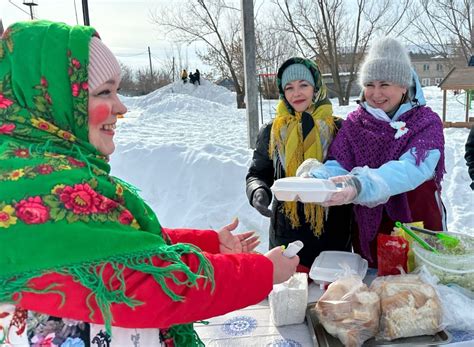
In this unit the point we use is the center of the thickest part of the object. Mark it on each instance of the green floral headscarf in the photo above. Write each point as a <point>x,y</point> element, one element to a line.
<point>58,204</point>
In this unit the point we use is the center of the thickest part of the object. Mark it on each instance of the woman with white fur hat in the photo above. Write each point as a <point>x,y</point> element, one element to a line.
<point>389,152</point>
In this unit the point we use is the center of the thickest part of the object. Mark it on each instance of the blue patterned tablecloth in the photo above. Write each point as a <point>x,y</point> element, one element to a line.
<point>252,327</point>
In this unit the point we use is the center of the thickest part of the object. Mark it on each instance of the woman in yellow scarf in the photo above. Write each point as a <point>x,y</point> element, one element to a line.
<point>303,128</point>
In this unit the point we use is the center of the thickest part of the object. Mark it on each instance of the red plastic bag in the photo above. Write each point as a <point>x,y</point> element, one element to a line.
<point>392,253</point>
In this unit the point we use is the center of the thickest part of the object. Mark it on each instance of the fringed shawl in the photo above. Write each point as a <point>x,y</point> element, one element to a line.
<point>60,210</point>
<point>366,141</point>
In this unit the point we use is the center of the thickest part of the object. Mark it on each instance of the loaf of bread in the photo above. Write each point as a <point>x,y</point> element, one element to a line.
<point>409,306</point>
<point>349,311</point>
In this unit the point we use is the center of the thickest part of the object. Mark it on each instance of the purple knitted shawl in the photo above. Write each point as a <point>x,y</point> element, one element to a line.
<point>364,140</point>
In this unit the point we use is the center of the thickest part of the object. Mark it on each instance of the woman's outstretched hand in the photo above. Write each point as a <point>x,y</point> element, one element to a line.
<point>240,243</point>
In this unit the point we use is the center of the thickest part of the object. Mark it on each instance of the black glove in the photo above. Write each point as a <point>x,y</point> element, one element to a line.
<point>260,201</point>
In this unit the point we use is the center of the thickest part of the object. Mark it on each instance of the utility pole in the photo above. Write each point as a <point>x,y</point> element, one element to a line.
<point>151,68</point>
<point>85,12</point>
<point>30,4</point>
<point>251,92</point>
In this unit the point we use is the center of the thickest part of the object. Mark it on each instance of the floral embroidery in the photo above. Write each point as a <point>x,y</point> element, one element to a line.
<point>44,169</point>
<point>78,75</point>
<point>7,128</point>
<point>22,152</point>
<point>16,174</point>
<point>119,190</point>
<point>79,89</point>
<point>57,163</point>
<point>70,202</point>
<point>106,205</point>
<point>32,210</point>
<point>44,125</point>
<point>81,199</point>
<point>6,216</point>
<point>76,88</point>
<point>125,217</point>
<point>4,102</point>
<point>66,135</point>
<point>75,162</point>
<point>42,101</point>
<point>57,189</point>
<point>9,108</point>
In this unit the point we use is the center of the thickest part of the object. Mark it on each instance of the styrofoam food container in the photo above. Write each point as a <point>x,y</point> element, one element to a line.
<point>327,267</point>
<point>303,189</point>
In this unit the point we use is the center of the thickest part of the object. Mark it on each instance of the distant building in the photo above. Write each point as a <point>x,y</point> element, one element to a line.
<point>431,69</point>
<point>227,83</point>
<point>344,78</point>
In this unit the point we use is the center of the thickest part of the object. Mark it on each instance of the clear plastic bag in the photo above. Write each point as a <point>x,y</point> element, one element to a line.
<point>349,311</point>
<point>409,307</point>
<point>457,302</point>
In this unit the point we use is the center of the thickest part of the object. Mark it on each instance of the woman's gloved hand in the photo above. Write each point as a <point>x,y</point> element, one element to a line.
<point>349,190</point>
<point>260,201</point>
<point>304,170</point>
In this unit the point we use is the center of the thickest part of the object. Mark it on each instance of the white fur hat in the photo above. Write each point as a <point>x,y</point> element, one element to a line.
<point>387,60</point>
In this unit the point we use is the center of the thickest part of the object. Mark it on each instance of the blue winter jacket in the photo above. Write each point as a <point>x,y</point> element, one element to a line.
<point>395,176</point>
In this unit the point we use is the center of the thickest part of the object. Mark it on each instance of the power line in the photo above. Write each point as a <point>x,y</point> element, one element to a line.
<point>75,11</point>
<point>22,10</point>
<point>130,55</point>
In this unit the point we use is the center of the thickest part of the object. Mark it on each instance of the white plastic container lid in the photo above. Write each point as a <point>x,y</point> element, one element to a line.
<point>303,189</point>
<point>327,267</point>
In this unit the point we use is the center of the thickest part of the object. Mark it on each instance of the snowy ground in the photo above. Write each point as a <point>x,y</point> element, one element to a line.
<point>185,148</point>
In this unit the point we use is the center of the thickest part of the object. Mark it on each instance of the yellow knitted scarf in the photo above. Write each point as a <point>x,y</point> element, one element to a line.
<point>287,142</point>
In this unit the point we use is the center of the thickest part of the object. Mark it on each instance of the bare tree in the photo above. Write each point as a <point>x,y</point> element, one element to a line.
<point>274,46</point>
<point>127,83</point>
<point>337,32</point>
<point>216,24</point>
<point>141,81</point>
<point>443,27</point>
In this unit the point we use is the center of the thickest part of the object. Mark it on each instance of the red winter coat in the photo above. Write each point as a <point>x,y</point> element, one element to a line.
<point>240,280</point>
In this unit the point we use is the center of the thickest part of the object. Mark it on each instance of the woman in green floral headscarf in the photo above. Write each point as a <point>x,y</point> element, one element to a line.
<point>76,242</point>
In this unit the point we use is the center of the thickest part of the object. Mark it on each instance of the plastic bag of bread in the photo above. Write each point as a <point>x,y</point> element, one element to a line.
<point>409,306</point>
<point>349,311</point>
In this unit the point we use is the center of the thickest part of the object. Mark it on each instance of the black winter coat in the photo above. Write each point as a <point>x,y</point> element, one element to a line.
<point>469,156</point>
<point>336,234</point>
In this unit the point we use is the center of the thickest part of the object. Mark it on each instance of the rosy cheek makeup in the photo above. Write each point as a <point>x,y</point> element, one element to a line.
<point>99,114</point>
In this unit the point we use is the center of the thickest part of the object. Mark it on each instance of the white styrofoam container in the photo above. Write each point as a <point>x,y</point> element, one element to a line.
<point>327,267</point>
<point>289,300</point>
<point>303,189</point>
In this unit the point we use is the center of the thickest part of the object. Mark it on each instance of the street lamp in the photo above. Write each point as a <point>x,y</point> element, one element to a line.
<point>30,4</point>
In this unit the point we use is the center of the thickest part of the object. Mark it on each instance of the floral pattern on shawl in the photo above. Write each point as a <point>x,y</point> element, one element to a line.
<point>55,186</point>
